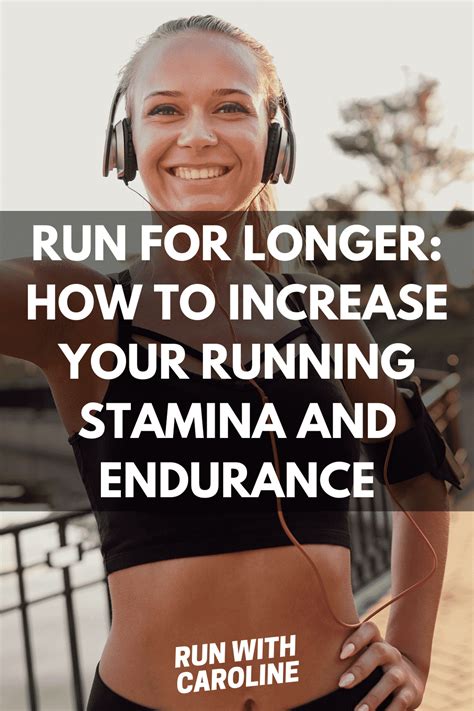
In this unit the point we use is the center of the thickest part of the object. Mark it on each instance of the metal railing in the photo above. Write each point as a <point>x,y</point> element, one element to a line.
<point>370,531</point>
<point>63,558</point>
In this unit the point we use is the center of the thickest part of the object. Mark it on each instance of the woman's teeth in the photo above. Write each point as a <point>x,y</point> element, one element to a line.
<point>198,173</point>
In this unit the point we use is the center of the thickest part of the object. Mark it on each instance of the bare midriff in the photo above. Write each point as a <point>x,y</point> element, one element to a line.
<point>269,592</point>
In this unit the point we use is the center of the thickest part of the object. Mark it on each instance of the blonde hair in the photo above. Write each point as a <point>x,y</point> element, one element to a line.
<point>264,205</point>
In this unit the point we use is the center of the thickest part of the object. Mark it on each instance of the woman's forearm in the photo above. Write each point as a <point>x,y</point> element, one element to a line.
<point>412,619</point>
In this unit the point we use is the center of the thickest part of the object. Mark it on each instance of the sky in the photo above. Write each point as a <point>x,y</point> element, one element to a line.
<point>60,62</point>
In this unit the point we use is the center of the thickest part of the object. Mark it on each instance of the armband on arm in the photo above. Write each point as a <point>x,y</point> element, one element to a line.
<point>419,450</point>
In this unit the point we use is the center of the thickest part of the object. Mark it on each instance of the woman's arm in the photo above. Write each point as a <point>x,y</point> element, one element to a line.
<point>20,337</point>
<point>405,653</point>
<point>36,340</point>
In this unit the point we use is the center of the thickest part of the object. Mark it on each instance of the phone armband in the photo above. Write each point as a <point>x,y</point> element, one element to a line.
<point>419,450</point>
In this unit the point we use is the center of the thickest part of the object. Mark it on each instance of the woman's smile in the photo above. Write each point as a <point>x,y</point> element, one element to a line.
<point>194,173</point>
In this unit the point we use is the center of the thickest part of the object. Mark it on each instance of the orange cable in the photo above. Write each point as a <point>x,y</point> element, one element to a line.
<point>281,516</point>
<point>276,463</point>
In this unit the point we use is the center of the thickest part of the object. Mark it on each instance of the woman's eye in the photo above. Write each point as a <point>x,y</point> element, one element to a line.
<point>162,110</point>
<point>233,108</point>
<point>169,110</point>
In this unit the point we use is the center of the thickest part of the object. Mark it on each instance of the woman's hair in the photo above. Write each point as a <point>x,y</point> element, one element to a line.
<point>261,209</point>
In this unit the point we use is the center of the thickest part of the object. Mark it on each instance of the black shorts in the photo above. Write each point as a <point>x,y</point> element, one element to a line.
<point>102,698</point>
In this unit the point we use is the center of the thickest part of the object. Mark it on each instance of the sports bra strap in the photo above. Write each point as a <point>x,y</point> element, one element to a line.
<point>163,338</point>
<point>279,286</point>
<point>124,325</point>
<point>125,278</point>
<point>301,307</point>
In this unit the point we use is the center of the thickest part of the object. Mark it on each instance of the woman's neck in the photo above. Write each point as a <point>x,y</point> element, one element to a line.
<point>163,268</point>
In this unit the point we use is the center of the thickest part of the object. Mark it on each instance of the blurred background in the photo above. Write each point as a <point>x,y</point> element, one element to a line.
<point>381,95</point>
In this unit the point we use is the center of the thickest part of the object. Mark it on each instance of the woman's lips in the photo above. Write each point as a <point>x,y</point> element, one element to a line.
<point>196,174</point>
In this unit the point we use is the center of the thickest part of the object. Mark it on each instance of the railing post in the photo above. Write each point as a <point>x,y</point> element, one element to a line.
<point>32,693</point>
<point>76,673</point>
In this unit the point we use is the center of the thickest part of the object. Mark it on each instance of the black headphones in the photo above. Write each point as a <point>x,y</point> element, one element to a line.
<point>280,155</point>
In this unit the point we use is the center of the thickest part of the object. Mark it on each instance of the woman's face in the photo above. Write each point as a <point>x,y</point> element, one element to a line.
<point>199,123</point>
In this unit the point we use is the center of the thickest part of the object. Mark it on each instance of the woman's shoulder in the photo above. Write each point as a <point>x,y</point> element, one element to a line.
<point>32,318</point>
<point>65,273</point>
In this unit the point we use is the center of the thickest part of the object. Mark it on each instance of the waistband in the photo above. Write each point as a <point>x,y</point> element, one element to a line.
<point>102,697</point>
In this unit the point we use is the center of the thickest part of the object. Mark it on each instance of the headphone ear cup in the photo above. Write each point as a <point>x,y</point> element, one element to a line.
<point>130,158</point>
<point>271,154</point>
<point>290,157</point>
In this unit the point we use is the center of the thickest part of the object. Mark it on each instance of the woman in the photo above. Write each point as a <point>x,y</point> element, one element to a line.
<point>200,97</point>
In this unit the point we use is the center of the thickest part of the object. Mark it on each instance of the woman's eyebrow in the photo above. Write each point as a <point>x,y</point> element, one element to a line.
<point>225,92</point>
<point>216,92</point>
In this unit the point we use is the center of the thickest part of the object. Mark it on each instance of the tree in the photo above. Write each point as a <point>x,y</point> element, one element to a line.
<point>397,136</point>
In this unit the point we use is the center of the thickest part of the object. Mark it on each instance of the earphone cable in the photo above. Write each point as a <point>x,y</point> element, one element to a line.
<point>276,463</point>
<point>292,537</point>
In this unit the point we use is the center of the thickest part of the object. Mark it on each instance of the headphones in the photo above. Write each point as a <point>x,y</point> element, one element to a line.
<point>280,156</point>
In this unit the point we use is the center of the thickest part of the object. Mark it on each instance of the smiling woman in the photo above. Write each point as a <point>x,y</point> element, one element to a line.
<point>201,128</point>
<point>235,119</point>
<point>201,99</point>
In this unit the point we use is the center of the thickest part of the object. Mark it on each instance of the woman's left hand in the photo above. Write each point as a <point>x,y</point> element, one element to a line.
<point>401,677</point>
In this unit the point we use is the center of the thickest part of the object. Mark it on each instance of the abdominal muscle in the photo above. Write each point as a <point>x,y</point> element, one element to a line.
<point>219,598</point>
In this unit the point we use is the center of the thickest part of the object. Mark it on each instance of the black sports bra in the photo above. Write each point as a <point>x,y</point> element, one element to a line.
<point>145,528</point>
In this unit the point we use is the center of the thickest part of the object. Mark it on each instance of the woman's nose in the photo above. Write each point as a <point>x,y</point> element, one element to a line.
<point>196,133</point>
